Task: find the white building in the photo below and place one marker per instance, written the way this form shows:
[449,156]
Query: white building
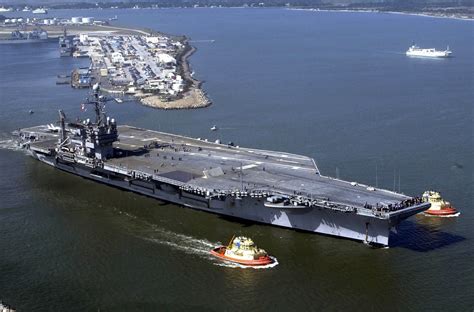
[83,38]
[156,39]
[117,57]
[166,59]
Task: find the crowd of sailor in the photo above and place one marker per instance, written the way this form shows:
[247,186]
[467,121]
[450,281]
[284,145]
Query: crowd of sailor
[381,207]
[299,200]
[239,194]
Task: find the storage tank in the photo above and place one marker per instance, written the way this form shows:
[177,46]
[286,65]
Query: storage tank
[104,72]
[76,20]
[87,20]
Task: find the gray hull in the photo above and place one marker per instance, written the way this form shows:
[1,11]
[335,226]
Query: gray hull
[317,220]
[26,41]
[269,187]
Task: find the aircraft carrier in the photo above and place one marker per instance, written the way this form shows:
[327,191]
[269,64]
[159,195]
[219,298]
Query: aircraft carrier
[269,187]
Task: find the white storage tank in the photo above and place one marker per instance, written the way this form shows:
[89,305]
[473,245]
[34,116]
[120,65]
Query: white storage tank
[76,20]
[87,20]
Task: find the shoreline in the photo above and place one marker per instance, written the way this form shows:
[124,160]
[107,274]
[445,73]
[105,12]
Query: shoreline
[468,16]
[377,11]
[192,95]
[56,31]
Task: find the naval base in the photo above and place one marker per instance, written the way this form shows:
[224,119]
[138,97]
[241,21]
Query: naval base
[269,187]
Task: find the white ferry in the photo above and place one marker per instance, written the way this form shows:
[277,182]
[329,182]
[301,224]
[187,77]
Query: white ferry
[40,11]
[415,50]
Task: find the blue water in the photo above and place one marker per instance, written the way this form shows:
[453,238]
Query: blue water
[334,86]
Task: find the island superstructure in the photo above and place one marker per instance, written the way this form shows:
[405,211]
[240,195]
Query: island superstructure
[269,187]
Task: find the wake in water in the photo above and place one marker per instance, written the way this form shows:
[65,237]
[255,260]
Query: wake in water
[203,41]
[194,246]
[9,144]
[181,242]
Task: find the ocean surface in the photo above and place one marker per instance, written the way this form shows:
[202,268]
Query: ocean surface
[334,86]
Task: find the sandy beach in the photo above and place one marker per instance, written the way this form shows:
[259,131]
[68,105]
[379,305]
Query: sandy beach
[194,98]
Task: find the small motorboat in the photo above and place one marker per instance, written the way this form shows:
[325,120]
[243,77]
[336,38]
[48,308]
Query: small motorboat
[242,250]
[213,128]
[439,207]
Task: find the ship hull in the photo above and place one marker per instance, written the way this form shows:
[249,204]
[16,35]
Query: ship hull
[442,212]
[429,55]
[25,41]
[316,220]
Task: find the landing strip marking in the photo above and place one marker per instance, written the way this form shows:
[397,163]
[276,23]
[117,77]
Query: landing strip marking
[247,167]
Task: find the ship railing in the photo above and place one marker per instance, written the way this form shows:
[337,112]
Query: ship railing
[141,175]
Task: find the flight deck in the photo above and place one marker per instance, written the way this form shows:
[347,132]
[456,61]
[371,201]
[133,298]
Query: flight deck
[272,187]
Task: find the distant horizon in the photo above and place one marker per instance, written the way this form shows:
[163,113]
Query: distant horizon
[298,3]
[438,8]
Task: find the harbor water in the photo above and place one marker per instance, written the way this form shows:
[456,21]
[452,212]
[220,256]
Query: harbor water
[334,86]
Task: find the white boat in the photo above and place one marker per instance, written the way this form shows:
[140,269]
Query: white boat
[6,308]
[415,50]
[214,128]
[40,11]
[118,100]
[4,9]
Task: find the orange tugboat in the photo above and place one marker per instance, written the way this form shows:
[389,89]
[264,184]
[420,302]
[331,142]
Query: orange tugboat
[439,207]
[242,250]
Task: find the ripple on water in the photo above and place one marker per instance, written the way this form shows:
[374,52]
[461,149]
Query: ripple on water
[184,243]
